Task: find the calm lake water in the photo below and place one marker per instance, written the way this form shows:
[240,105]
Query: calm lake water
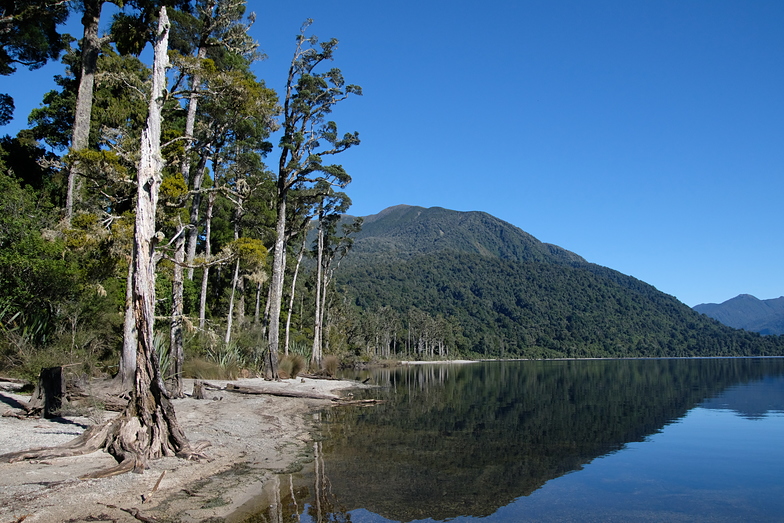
[607,440]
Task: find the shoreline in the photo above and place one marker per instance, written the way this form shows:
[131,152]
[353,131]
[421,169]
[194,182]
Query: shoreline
[253,437]
[439,362]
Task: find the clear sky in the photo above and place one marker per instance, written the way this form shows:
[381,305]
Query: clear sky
[646,136]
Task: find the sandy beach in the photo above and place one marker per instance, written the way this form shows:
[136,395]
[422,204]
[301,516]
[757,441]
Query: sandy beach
[252,437]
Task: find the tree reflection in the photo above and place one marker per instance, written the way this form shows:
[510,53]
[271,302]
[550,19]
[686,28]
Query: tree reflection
[466,440]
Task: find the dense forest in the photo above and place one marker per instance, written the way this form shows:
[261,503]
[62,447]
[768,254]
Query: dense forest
[255,264]
[202,174]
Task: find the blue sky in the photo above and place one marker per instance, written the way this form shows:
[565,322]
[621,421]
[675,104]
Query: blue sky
[646,136]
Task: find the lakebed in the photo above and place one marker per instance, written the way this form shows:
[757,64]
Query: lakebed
[252,438]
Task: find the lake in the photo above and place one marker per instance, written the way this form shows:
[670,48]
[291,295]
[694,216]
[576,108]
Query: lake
[596,440]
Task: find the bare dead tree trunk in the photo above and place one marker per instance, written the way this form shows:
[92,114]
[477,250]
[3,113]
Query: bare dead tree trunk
[315,357]
[150,414]
[193,231]
[190,120]
[257,311]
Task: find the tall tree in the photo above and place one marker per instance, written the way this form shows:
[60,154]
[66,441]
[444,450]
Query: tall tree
[148,427]
[308,138]
[130,32]
[209,43]
[91,46]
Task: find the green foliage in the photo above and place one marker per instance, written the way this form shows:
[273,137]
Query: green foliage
[54,310]
[229,358]
[160,343]
[33,167]
[29,37]
[173,188]
[252,253]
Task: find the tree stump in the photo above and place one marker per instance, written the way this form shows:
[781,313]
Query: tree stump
[198,390]
[49,392]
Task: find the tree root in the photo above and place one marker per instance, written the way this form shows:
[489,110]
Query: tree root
[123,438]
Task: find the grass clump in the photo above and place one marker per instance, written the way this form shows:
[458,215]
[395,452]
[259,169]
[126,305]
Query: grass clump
[329,365]
[291,365]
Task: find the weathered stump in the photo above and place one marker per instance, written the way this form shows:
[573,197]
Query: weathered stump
[49,392]
[198,390]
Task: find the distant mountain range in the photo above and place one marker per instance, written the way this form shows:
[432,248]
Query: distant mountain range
[749,313]
[490,289]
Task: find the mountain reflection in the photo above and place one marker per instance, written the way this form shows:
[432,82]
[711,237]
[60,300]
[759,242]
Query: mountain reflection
[465,440]
[754,400]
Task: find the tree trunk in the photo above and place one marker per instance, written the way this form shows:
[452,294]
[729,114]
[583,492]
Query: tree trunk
[276,286]
[128,356]
[190,120]
[207,254]
[293,288]
[49,392]
[239,313]
[91,47]
[315,357]
[185,168]
[154,430]
[193,231]
[257,311]
[230,316]
[175,334]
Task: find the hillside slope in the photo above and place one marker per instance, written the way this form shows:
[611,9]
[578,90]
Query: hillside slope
[487,288]
[749,313]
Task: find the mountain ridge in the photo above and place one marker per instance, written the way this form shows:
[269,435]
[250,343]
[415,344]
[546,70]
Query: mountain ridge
[484,287]
[415,230]
[749,313]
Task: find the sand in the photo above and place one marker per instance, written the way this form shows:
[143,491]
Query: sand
[252,438]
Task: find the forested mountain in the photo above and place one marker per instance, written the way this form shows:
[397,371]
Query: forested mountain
[435,281]
[749,313]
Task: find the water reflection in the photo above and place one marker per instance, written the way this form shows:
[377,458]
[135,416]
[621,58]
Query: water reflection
[465,440]
[752,401]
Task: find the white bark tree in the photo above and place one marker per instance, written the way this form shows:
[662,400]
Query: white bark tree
[308,138]
[147,428]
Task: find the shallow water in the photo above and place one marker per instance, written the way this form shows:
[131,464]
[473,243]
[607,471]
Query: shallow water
[609,440]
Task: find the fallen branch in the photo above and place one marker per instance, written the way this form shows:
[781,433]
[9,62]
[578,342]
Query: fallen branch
[319,377]
[134,512]
[146,497]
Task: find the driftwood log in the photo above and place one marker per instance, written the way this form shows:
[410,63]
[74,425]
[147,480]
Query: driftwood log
[231,387]
[335,399]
